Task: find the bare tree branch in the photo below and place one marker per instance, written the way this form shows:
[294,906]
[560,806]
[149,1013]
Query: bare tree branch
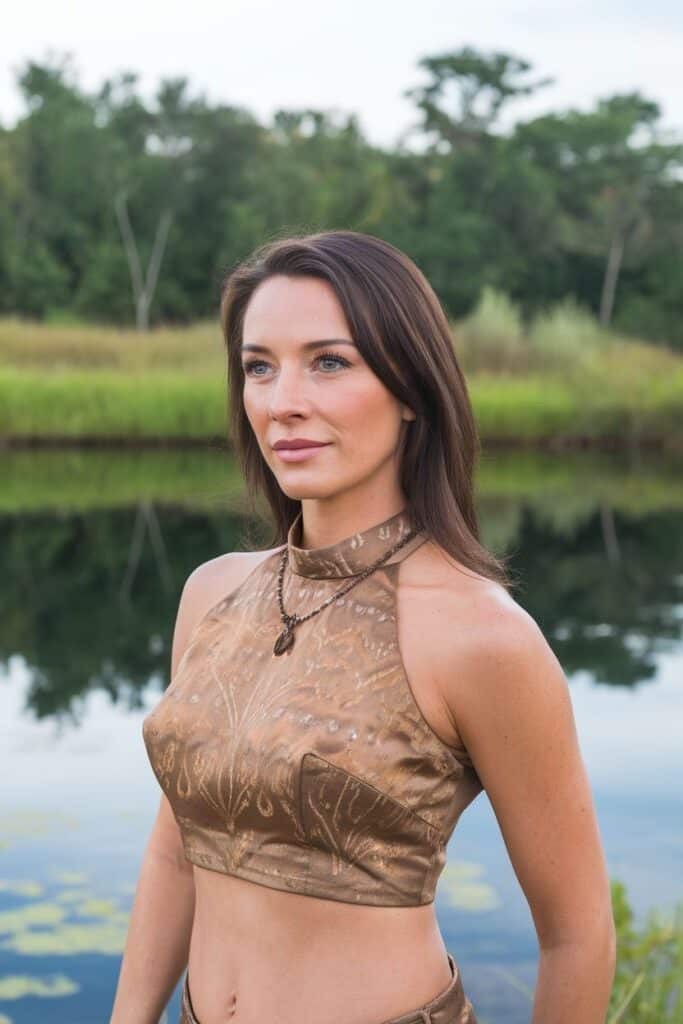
[129,244]
[143,292]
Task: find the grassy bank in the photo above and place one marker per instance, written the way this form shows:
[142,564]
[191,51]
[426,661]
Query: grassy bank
[560,380]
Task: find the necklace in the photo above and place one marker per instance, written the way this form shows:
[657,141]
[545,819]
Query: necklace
[286,638]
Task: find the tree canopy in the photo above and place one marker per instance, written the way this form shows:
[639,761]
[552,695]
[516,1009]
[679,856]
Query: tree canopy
[119,208]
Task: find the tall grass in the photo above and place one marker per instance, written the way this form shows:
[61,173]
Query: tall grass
[648,984]
[564,375]
[108,405]
[52,348]
[560,378]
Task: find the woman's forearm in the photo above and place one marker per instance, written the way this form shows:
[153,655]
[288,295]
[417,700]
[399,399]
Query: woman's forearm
[575,981]
[158,940]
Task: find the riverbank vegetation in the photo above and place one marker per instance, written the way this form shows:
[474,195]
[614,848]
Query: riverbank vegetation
[558,378]
[648,984]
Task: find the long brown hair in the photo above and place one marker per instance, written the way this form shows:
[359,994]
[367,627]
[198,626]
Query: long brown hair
[403,334]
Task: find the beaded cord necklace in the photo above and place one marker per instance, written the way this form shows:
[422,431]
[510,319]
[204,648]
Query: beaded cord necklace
[285,639]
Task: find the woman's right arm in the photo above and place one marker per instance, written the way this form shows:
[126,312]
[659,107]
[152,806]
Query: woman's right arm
[159,928]
[160,924]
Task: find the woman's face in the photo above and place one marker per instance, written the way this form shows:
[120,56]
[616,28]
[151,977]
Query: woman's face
[305,378]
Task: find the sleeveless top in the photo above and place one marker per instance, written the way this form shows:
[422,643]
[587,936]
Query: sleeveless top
[313,771]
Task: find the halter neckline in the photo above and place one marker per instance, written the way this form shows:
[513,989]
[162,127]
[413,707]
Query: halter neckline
[350,555]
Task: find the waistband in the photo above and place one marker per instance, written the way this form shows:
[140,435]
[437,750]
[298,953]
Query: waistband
[451,1006]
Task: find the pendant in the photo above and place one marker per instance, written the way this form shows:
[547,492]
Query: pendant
[284,641]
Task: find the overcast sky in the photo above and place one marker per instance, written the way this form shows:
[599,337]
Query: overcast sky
[353,55]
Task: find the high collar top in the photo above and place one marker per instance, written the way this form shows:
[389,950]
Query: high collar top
[351,555]
[315,772]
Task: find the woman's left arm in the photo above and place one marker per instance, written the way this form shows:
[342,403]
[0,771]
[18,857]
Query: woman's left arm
[511,706]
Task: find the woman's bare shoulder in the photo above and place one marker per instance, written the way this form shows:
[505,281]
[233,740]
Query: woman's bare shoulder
[443,589]
[508,694]
[208,584]
[472,633]
[217,577]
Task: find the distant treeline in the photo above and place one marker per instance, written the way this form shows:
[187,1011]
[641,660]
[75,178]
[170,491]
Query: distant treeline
[124,210]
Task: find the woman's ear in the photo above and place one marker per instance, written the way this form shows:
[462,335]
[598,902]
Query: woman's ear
[407,413]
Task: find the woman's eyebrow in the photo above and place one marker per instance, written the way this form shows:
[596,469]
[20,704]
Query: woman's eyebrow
[307,344]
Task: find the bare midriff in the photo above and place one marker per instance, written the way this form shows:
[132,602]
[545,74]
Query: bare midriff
[259,954]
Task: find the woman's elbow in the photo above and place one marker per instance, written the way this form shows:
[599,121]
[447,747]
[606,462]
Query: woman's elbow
[594,929]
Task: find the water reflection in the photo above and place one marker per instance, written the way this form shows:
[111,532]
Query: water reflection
[94,551]
[90,594]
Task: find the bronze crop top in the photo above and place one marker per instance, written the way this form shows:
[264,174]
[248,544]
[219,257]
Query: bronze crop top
[314,771]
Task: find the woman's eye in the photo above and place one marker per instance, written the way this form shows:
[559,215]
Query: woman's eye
[331,358]
[250,368]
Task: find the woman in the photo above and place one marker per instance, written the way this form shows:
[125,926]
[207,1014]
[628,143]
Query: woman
[339,699]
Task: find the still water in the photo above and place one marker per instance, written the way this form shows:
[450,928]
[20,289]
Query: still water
[94,549]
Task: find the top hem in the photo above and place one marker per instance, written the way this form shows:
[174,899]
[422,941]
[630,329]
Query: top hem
[302,885]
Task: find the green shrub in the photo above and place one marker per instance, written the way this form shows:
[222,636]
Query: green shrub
[648,983]
[492,337]
[566,335]
[59,317]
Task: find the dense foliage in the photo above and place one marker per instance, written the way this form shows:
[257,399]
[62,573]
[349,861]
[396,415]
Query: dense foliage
[120,209]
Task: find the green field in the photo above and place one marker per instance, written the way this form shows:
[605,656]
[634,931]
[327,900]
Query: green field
[556,383]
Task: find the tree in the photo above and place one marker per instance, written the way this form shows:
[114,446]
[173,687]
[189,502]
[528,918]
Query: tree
[62,159]
[609,169]
[486,213]
[466,92]
[98,186]
[143,287]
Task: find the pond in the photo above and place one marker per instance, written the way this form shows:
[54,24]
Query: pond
[95,549]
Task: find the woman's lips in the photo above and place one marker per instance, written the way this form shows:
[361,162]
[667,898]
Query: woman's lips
[299,454]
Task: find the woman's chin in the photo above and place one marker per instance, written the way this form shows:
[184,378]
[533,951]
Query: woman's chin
[298,490]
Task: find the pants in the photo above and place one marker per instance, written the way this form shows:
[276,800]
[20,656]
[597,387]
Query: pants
[451,1006]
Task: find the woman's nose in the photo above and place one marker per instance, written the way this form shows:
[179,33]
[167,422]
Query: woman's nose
[287,394]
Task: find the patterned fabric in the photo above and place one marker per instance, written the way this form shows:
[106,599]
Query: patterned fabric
[315,771]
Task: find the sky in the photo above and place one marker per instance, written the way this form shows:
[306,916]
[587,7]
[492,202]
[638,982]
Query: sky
[354,56]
